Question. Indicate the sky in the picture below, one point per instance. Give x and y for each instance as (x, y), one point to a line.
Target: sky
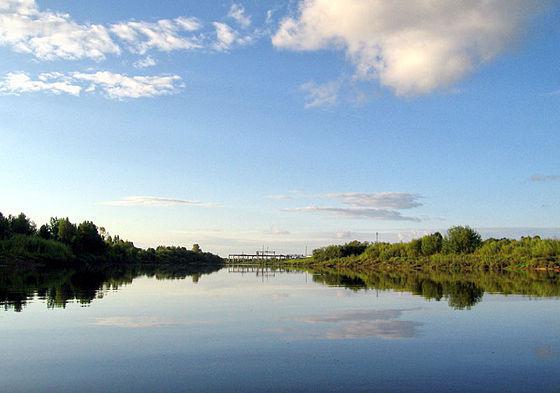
(281, 124)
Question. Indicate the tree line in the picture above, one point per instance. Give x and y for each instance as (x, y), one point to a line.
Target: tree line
(460, 247)
(62, 241)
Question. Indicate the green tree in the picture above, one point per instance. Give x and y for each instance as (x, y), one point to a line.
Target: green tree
(21, 225)
(88, 240)
(45, 232)
(66, 231)
(5, 231)
(431, 244)
(461, 240)
(196, 248)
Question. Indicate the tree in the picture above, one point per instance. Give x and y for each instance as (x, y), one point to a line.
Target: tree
(5, 231)
(431, 244)
(45, 232)
(88, 240)
(196, 248)
(21, 225)
(66, 231)
(461, 240)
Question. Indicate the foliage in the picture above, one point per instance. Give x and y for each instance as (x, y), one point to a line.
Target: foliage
(461, 249)
(461, 240)
(339, 251)
(63, 241)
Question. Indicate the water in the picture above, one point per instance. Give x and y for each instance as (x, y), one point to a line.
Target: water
(278, 331)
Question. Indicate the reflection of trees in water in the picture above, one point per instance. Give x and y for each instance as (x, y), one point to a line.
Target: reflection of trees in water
(62, 285)
(461, 290)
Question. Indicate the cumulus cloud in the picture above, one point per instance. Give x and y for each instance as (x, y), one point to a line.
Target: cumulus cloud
(411, 46)
(50, 35)
(320, 95)
(357, 212)
(156, 201)
(165, 34)
(544, 178)
(112, 85)
(237, 13)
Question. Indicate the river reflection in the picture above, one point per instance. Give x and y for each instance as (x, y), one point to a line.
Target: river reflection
(249, 329)
(57, 287)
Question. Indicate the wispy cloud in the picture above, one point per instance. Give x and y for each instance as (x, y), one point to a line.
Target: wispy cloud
(237, 13)
(356, 212)
(373, 205)
(156, 201)
(227, 37)
(391, 200)
(320, 95)
(146, 62)
(49, 35)
(164, 35)
(112, 85)
(544, 178)
(412, 47)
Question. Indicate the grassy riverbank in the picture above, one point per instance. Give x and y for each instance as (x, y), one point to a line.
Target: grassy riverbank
(461, 249)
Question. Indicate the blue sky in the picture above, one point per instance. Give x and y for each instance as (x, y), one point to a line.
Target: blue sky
(281, 123)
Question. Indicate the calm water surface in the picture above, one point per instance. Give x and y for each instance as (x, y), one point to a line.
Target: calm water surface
(277, 331)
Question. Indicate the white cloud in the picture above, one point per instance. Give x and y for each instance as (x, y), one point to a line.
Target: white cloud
(356, 212)
(374, 205)
(410, 46)
(114, 86)
(320, 95)
(237, 13)
(156, 201)
(226, 37)
(390, 200)
(165, 34)
(20, 83)
(145, 62)
(119, 86)
(50, 35)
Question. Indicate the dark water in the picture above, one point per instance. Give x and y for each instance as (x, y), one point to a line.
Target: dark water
(169, 330)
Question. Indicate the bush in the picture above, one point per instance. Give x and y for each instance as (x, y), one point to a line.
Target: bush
(461, 240)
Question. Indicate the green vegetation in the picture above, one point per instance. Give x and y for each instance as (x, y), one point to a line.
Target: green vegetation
(461, 248)
(63, 242)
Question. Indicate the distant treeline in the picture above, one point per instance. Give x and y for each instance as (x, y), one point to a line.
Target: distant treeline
(61, 241)
(461, 247)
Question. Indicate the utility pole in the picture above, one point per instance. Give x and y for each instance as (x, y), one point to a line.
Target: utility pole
(377, 237)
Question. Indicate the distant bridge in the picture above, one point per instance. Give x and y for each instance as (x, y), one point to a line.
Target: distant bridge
(260, 257)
